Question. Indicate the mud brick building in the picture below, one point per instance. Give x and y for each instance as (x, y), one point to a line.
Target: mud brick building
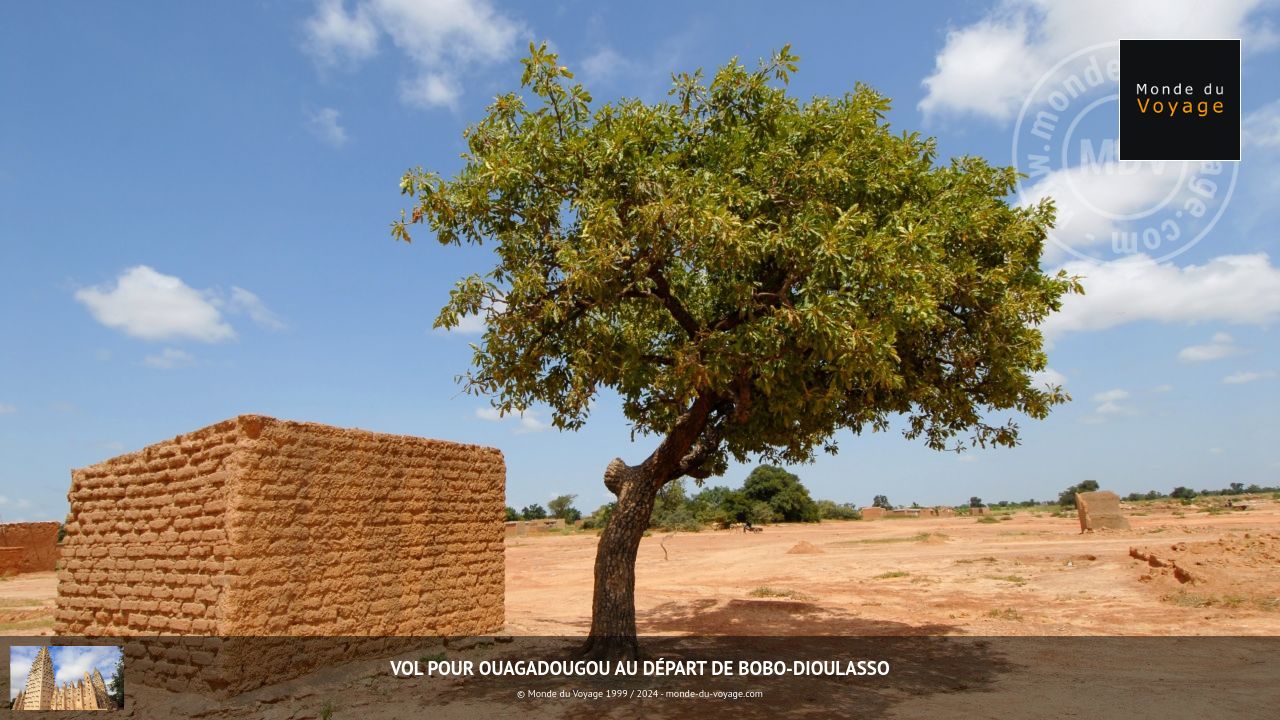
(261, 527)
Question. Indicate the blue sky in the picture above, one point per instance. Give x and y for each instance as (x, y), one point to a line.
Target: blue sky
(195, 199)
(70, 663)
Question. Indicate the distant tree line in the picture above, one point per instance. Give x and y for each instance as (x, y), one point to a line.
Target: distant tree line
(771, 494)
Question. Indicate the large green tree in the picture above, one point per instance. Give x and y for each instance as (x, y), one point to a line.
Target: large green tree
(747, 270)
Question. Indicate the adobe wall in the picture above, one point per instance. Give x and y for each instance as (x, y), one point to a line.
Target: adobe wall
(10, 560)
(38, 540)
(256, 526)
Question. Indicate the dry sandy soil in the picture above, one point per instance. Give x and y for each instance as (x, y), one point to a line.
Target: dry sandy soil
(1177, 572)
(1024, 576)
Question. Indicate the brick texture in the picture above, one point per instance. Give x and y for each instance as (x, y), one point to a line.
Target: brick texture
(256, 526)
(39, 543)
(10, 560)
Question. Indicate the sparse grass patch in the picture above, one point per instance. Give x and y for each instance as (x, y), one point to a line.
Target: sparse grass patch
(1005, 614)
(966, 561)
(892, 574)
(769, 592)
(326, 710)
(1182, 598)
(920, 537)
(1271, 603)
(1015, 579)
(1005, 517)
(33, 624)
(989, 519)
(924, 580)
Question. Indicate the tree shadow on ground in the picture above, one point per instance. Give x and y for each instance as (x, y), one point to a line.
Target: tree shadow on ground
(921, 659)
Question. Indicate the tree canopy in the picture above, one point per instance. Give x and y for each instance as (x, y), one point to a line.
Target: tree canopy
(784, 268)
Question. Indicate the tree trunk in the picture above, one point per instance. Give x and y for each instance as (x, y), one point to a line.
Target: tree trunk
(613, 607)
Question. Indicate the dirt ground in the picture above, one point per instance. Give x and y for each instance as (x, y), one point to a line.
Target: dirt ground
(1178, 572)
(1028, 575)
(1024, 576)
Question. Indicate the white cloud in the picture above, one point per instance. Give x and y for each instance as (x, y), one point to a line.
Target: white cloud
(1080, 194)
(243, 301)
(324, 124)
(1047, 379)
(988, 68)
(168, 359)
(152, 306)
(1238, 289)
(70, 663)
(1261, 128)
(6, 409)
(1243, 377)
(431, 90)
(1111, 402)
(527, 421)
(1221, 345)
(334, 35)
(442, 39)
(603, 65)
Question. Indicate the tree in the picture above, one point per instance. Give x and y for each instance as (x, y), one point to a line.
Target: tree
(975, 502)
(1067, 498)
(747, 271)
(562, 507)
(1182, 493)
(882, 501)
(115, 686)
(533, 512)
(512, 514)
(788, 498)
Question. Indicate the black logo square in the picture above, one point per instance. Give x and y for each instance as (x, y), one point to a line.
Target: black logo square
(1179, 99)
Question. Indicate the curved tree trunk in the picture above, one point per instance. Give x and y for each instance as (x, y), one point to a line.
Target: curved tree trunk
(613, 606)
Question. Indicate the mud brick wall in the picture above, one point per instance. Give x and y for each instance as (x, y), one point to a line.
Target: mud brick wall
(38, 540)
(10, 560)
(256, 526)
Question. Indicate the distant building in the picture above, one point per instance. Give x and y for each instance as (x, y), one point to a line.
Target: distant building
(41, 693)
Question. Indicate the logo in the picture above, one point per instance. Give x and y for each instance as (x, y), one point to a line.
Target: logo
(1067, 145)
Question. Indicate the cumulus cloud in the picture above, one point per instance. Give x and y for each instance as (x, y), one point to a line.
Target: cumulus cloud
(70, 663)
(526, 422)
(1220, 346)
(333, 35)
(150, 305)
(1092, 200)
(1261, 128)
(1237, 289)
(1240, 378)
(1110, 402)
(168, 359)
(987, 68)
(1048, 379)
(243, 301)
(153, 306)
(324, 124)
(441, 38)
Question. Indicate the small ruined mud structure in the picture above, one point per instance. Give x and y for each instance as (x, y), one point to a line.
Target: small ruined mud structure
(41, 692)
(28, 547)
(262, 527)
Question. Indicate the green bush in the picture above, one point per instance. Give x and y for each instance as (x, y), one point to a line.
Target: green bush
(830, 510)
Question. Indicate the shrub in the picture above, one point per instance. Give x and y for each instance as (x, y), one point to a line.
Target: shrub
(830, 510)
